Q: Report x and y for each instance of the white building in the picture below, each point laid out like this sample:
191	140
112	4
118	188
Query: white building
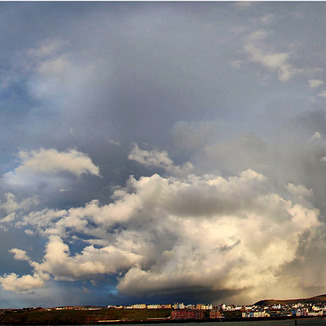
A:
154	306
139	306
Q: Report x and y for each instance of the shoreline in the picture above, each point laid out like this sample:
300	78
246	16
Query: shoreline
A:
113	317
217	320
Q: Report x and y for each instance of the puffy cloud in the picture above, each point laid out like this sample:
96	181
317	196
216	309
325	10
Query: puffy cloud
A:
195	196
23	284
165	235
49	163
151	158
241	241
59	264
19	254
12	206
156	159
299	190
91	261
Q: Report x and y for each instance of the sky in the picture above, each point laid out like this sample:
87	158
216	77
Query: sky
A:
161	152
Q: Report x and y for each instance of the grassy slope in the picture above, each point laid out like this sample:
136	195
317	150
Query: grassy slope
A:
316	299
80	316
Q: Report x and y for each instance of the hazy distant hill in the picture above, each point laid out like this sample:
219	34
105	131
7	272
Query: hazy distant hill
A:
318	298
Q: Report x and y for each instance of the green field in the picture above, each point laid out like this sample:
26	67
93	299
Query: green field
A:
73	317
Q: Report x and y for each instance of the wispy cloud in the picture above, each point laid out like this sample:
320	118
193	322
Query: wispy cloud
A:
243	4
274	61
322	93
316	135
314	83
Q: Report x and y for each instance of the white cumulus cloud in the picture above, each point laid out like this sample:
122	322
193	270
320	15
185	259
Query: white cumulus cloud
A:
156	159
19	254
49	163
13	206
23	284
91	261
166	234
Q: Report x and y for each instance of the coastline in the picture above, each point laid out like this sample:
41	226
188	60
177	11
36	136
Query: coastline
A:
121	317
182	321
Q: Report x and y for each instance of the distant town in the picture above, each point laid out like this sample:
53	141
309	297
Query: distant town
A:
209	311
267	309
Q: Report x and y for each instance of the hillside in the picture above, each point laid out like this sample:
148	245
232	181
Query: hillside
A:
73	317
316	299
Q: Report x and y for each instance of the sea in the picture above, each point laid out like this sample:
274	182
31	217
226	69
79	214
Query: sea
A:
287	322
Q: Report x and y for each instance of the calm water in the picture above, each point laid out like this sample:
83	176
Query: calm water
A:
289	322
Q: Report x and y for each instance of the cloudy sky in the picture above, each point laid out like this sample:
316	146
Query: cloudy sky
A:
162	152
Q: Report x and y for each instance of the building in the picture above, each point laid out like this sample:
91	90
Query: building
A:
178	306
139	306
154	306
185	314
215	314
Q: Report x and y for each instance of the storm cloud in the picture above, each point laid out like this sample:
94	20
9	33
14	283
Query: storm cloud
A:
162	152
